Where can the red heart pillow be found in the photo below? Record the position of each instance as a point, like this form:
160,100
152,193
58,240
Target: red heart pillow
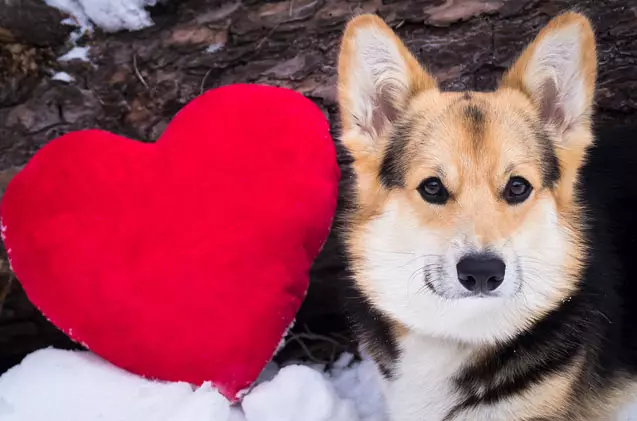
185,259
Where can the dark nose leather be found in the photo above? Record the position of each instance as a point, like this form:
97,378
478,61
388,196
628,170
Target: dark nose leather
481,273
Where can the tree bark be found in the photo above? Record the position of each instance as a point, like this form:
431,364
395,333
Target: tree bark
32,22
136,82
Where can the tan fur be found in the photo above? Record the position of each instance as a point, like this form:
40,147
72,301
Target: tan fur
474,142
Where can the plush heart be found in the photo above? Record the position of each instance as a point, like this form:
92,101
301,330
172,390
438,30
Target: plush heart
185,259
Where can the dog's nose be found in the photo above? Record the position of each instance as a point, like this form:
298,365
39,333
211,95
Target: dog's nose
481,273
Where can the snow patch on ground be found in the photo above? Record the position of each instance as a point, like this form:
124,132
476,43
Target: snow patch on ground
63,77
214,48
286,398
110,15
75,53
58,385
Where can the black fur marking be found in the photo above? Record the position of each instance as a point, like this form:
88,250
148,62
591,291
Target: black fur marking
429,283
474,114
550,164
392,169
609,177
476,121
371,327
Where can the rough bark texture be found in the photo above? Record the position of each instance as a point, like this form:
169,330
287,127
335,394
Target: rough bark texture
137,81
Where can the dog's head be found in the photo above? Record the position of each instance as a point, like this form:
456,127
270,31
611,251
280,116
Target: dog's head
466,221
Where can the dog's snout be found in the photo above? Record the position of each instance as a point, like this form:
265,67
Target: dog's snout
481,273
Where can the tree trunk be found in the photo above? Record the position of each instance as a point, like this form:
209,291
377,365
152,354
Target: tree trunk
137,81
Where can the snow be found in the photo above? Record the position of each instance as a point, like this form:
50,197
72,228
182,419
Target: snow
78,386
214,48
59,385
75,53
285,398
110,15
63,77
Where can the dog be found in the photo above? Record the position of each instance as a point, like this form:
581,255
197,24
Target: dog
489,236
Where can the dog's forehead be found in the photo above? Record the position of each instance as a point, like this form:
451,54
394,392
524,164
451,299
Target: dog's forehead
479,120
470,132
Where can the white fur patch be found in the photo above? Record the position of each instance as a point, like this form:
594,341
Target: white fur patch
399,251
423,389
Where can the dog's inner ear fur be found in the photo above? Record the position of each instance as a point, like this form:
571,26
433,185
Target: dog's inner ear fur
557,71
377,77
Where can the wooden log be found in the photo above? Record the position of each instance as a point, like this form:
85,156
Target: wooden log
31,22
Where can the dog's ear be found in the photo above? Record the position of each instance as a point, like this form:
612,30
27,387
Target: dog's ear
377,75
557,71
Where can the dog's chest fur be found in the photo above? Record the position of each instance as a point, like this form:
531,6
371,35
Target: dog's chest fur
426,386
423,387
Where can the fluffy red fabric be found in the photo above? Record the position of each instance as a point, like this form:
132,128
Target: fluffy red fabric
186,259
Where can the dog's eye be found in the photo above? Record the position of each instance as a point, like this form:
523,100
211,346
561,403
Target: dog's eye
433,191
517,190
